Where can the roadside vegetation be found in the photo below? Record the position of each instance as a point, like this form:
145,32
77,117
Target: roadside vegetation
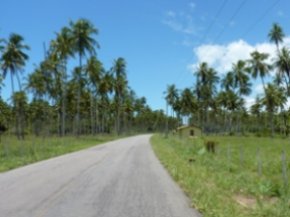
244,177
69,101
248,173
14,153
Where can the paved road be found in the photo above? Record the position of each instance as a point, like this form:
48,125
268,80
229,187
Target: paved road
118,179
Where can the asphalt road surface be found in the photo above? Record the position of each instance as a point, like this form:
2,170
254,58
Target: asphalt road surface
118,179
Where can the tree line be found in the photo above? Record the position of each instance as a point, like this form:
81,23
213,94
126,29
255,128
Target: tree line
218,105
65,100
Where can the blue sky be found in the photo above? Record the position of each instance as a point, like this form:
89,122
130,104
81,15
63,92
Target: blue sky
161,40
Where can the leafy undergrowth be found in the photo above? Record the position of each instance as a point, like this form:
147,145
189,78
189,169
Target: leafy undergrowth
15,153
243,178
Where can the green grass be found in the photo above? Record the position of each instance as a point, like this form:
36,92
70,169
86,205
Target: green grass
244,177
15,153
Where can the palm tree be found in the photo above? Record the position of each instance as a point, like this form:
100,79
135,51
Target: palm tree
61,47
171,96
274,98
206,81
282,63
242,83
276,35
20,105
188,103
241,78
228,81
94,70
37,84
120,85
258,65
255,110
13,61
14,57
82,43
104,89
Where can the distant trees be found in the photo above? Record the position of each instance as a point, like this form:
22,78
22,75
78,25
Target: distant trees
218,105
69,98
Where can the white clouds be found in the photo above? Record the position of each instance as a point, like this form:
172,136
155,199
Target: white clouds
180,22
221,57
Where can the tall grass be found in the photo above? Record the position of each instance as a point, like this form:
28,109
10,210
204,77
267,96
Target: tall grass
243,178
15,153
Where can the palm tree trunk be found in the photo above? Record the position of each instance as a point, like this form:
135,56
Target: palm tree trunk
79,98
63,127
97,125
92,114
166,125
13,104
272,123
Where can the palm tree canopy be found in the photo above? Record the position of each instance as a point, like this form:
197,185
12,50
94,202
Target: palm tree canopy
37,83
188,101
228,81
258,65
62,45
171,94
14,57
276,34
206,82
241,78
274,97
82,41
282,62
119,67
94,69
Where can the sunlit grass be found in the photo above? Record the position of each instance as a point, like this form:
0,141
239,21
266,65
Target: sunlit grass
244,177
15,153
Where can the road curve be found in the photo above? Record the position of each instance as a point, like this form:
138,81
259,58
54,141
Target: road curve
122,178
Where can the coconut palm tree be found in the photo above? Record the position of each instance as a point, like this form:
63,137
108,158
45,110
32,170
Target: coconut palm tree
228,81
282,64
276,35
82,42
120,85
37,84
94,69
206,89
206,81
258,65
256,110
188,103
13,61
274,98
241,78
61,47
14,58
105,89
171,96
241,83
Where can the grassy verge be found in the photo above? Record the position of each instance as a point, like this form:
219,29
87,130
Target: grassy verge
15,153
244,177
